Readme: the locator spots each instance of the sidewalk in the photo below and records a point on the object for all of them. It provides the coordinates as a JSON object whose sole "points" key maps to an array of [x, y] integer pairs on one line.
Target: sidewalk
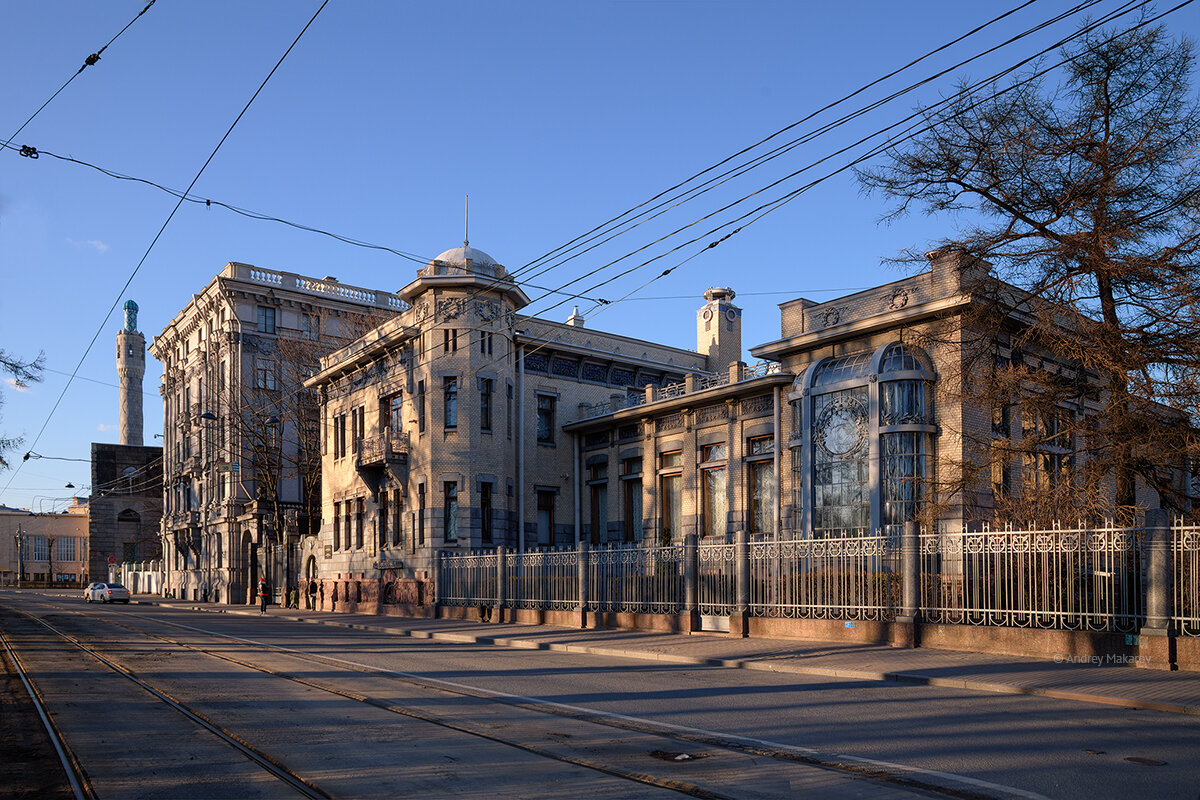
{"points": [[1109, 684]]}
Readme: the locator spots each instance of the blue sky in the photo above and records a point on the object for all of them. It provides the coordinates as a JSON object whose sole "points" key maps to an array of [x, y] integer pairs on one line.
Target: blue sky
{"points": [[553, 116]]}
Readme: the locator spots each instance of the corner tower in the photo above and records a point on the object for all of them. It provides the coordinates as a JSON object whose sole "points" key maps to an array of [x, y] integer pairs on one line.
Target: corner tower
{"points": [[719, 328], [131, 367]]}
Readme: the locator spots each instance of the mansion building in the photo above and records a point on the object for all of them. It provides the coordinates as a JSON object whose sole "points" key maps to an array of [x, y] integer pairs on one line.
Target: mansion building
{"points": [[449, 421]]}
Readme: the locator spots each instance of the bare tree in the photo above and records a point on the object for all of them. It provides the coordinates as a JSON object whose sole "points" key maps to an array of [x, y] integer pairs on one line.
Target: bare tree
{"points": [[1083, 340], [276, 421], [22, 374]]}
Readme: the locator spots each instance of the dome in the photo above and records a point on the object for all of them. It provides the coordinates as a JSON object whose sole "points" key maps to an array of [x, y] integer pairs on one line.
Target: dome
{"points": [[130, 306], [460, 255]]}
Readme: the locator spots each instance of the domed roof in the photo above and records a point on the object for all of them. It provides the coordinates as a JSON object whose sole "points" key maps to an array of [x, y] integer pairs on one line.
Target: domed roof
{"points": [[460, 255], [130, 306]]}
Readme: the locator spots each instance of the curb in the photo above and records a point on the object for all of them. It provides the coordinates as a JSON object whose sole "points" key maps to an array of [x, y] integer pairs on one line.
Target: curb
{"points": [[913, 678]]}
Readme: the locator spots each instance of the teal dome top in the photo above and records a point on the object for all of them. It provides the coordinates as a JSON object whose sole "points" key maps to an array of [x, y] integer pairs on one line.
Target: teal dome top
{"points": [[131, 310]]}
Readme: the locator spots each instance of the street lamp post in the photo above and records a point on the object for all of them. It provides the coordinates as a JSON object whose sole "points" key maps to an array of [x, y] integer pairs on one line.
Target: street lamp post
{"points": [[20, 537]]}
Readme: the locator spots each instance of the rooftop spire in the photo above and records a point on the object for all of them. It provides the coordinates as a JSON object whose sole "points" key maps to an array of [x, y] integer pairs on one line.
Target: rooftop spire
{"points": [[466, 218]]}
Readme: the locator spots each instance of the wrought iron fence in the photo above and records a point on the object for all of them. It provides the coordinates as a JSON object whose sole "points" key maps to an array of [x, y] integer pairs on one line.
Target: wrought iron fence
{"points": [[716, 579], [1092, 579], [850, 578], [545, 579], [1185, 594], [467, 579], [1062, 578], [634, 578]]}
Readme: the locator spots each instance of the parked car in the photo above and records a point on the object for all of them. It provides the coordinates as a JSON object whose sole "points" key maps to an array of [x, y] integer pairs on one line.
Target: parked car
{"points": [[106, 593]]}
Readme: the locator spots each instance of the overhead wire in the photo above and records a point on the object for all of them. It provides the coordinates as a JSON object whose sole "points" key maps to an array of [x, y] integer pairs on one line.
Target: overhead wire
{"points": [[163, 228], [909, 133], [774, 204], [91, 60], [756, 162]]}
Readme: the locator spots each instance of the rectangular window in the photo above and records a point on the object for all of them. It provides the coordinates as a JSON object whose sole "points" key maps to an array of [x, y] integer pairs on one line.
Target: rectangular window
{"points": [[450, 402], [397, 510], [545, 518], [358, 418], [485, 404], [266, 319], [545, 418], [672, 508], [40, 549], [450, 512], [671, 460], [381, 522], [714, 452], [450, 340], [761, 491], [358, 523], [421, 514], [394, 406], [337, 526], [339, 436], [310, 327], [485, 513], [264, 374], [761, 446], [631, 502], [715, 501], [421, 406], [66, 548], [598, 489], [485, 342], [508, 415]]}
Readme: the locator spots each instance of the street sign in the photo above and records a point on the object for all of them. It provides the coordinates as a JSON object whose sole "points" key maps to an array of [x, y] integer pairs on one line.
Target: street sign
{"points": [[112, 559], [229, 466]]}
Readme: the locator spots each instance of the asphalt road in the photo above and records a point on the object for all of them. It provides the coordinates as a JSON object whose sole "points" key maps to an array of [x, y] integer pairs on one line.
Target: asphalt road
{"points": [[515, 715]]}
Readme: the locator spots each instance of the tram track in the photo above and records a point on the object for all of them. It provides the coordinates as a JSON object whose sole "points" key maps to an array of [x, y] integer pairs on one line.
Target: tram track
{"points": [[683, 739], [77, 775]]}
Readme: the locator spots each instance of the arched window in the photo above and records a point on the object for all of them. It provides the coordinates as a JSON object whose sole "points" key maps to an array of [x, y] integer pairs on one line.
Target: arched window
{"points": [[866, 419]]}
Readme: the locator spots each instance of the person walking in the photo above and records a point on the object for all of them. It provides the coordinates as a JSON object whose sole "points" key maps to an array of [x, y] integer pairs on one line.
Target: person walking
{"points": [[262, 596], [312, 594]]}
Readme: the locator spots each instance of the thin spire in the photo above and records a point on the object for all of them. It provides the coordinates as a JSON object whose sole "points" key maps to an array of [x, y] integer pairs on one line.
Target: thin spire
{"points": [[466, 219]]}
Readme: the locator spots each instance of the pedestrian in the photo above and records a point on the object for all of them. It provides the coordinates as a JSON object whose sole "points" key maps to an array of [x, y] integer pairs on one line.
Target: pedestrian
{"points": [[312, 594], [293, 598], [262, 596]]}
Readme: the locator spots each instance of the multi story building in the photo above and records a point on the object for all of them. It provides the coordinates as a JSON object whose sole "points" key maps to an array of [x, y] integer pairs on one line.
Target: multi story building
{"points": [[241, 469], [446, 427], [463, 424]]}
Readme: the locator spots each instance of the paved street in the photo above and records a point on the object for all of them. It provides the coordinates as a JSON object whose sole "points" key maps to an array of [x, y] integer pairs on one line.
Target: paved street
{"points": [[768, 730]]}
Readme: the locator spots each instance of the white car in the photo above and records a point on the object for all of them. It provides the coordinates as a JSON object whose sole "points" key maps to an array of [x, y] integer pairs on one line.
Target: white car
{"points": [[106, 593]]}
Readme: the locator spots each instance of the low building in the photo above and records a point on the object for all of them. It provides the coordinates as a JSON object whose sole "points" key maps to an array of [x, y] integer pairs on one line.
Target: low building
{"points": [[45, 549]]}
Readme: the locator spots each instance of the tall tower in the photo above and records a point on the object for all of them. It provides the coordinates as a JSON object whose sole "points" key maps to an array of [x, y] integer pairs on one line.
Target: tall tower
{"points": [[719, 328], [131, 366]]}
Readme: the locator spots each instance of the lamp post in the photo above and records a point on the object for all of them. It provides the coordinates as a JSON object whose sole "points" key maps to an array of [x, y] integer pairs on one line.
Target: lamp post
{"points": [[20, 538]]}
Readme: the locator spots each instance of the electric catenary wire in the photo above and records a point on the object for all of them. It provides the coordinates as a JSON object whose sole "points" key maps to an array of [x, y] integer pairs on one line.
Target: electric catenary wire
{"points": [[163, 228], [87, 62]]}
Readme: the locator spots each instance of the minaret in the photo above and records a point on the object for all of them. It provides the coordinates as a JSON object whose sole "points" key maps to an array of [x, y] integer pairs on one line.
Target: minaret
{"points": [[131, 366], [719, 328]]}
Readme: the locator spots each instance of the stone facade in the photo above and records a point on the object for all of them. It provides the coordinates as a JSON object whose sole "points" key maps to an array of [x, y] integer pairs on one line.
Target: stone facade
{"points": [[446, 428], [238, 491], [124, 509]]}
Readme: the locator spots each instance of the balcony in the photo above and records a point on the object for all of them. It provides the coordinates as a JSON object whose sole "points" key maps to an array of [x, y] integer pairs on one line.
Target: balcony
{"points": [[382, 449]]}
